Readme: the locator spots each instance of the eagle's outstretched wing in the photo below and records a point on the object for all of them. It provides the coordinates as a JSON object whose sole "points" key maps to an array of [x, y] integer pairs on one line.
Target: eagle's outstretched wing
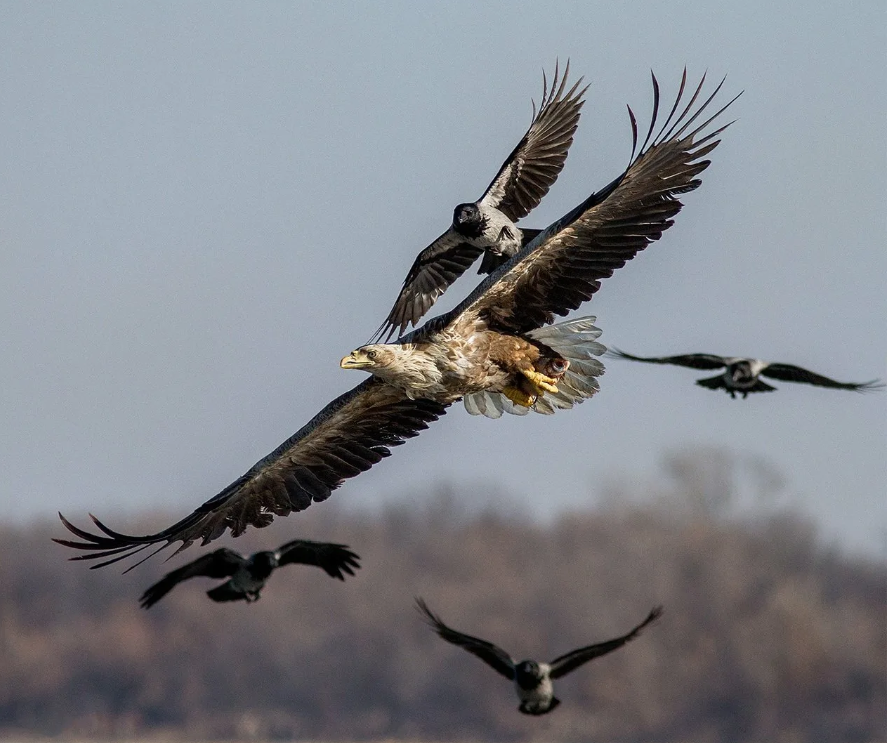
{"points": [[563, 266], [522, 181], [222, 563], [693, 360], [570, 661], [534, 165], [791, 373], [335, 559], [491, 654], [346, 438]]}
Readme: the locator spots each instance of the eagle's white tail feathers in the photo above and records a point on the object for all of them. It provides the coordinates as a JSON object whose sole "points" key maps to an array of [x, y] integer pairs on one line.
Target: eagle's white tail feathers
{"points": [[576, 341]]}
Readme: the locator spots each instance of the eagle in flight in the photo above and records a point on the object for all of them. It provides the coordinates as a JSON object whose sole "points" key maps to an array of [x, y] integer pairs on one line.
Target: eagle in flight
{"points": [[497, 349]]}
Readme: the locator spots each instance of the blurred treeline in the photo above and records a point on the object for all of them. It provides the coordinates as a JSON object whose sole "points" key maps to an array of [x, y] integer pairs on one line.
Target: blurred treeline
{"points": [[768, 635]]}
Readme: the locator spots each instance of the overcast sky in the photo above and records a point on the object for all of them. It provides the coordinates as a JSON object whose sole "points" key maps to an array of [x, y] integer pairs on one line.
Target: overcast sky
{"points": [[206, 205]]}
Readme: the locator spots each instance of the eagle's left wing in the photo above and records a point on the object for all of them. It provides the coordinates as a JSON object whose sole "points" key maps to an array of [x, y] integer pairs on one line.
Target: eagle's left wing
{"points": [[563, 267], [346, 438]]}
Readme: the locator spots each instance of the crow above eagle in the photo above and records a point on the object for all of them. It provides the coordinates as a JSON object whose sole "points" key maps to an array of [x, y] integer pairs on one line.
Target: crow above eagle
{"points": [[497, 349], [486, 226]]}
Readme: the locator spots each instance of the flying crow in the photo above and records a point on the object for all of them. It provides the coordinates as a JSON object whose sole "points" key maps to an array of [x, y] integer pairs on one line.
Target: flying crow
{"points": [[247, 575], [532, 680], [743, 375], [486, 226]]}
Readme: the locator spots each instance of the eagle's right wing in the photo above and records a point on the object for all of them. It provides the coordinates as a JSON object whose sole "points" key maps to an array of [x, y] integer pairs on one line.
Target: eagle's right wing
{"points": [[346, 438]]}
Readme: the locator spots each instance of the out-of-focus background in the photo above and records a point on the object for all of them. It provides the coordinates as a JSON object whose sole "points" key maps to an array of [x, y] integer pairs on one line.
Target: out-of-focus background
{"points": [[206, 205]]}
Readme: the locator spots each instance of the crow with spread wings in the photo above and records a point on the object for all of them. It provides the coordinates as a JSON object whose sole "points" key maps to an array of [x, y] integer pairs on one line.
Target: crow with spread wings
{"points": [[247, 575], [532, 679], [487, 226], [497, 349], [742, 375]]}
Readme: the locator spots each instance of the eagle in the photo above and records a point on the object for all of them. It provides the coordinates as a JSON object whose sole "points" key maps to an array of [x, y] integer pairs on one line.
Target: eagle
{"points": [[532, 679], [742, 375], [247, 575], [497, 349], [487, 226]]}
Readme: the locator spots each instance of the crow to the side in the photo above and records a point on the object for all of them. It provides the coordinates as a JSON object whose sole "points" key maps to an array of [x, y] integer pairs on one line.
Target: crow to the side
{"points": [[247, 575]]}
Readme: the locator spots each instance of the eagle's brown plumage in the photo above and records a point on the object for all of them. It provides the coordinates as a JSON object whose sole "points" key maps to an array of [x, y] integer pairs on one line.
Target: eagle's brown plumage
{"points": [[495, 341]]}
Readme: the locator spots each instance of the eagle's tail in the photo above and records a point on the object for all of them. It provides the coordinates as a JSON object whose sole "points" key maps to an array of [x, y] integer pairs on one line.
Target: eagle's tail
{"points": [[576, 341]]}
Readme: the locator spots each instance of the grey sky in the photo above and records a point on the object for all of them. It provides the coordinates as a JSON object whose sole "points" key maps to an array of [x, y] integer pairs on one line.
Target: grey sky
{"points": [[198, 201]]}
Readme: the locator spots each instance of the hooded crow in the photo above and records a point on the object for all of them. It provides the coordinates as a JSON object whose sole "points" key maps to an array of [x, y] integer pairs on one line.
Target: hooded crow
{"points": [[532, 680], [248, 574], [497, 350], [486, 226], [742, 374]]}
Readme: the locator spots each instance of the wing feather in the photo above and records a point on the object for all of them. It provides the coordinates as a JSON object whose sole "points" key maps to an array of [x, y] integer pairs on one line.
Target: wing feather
{"points": [[335, 559], [491, 654], [791, 373], [692, 360], [222, 563], [347, 437], [434, 269], [570, 661], [534, 165]]}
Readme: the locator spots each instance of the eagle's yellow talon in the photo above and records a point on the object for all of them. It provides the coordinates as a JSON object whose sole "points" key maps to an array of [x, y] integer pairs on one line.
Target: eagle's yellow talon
{"points": [[518, 397], [540, 381]]}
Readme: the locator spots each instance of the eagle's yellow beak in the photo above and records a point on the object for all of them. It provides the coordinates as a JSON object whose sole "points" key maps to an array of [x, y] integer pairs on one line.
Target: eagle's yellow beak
{"points": [[356, 360]]}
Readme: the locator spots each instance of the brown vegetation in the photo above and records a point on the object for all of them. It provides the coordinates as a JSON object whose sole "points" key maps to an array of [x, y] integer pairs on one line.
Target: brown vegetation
{"points": [[767, 635]]}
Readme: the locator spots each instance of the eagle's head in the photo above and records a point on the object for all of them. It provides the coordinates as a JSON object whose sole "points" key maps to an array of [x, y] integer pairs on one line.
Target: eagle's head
{"points": [[373, 358], [399, 364]]}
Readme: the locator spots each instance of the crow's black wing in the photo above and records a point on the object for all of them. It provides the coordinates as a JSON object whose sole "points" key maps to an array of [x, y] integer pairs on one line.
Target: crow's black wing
{"points": [[335, 559], [491, 654], [434, 269], [693, 360], [222, 563], [566, 663], [791, 373], [534, 165]]}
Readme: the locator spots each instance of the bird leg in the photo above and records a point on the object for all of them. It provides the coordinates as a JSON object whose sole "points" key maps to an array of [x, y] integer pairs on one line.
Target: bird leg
{"points": [[539, 381], [518, 396]]}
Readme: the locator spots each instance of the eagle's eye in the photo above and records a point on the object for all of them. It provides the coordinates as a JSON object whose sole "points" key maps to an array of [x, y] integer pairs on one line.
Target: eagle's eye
{"points": [[371, 355]]}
